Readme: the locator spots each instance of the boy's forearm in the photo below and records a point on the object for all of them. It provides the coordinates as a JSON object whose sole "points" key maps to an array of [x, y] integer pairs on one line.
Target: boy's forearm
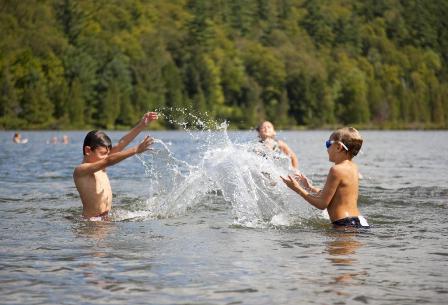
{"points": [[125, 140], [117, 157], [112, 159], [294, 161], [313, 200], [301, 191]]}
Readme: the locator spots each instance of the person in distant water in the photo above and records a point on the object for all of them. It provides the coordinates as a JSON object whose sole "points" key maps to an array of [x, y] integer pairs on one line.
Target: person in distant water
{"points": [[18, 139], [340, 193], [90, 176], [65, 139], [266, 133], [54, 140]]}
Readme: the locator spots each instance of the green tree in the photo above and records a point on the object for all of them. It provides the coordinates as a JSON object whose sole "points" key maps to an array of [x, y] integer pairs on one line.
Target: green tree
{"points": [[76, 104], [37, 108], [254, 110], [9, 103]]}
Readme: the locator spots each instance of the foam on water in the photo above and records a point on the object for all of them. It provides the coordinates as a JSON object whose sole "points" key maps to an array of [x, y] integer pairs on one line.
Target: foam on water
{"points": [[245, 175]]}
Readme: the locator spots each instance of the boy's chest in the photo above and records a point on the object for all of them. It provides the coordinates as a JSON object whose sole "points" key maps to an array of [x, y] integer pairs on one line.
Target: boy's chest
{"points": [[102, 181]]}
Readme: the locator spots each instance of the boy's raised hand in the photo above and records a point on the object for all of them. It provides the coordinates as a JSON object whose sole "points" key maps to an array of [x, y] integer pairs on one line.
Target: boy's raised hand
{"points": [[148, 117], [144, 145]]}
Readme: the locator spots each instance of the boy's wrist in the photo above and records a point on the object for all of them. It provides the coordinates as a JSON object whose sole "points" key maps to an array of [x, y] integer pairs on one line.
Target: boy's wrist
{"points": [[141, 125], [302, 192]]}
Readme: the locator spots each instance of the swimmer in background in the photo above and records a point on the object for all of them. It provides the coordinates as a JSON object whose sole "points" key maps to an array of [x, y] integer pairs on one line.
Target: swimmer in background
{"points": [[340, 193], [17, 139], [267, 134], [65, 139], [90, 176]]}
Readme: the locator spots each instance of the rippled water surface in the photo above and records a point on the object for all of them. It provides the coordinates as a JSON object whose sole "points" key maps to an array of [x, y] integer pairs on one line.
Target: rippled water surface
{"points": [[203, 219]]}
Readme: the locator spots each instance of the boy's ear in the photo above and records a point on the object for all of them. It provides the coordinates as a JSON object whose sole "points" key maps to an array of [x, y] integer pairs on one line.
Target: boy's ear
{"points": [[87, 150]]}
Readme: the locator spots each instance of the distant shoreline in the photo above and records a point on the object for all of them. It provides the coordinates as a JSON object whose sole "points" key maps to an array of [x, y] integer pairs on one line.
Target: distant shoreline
{"points": [[412, 127]]}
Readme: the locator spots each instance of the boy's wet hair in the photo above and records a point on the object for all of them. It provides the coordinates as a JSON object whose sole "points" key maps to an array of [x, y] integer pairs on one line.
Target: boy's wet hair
{"points": [[350, 137], [95, 139]]}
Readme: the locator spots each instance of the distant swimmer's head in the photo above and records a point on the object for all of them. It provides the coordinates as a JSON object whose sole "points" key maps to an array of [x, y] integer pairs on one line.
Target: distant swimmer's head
{"points": [[350, 138], [266, 130], [16, 138], [97, 145]]}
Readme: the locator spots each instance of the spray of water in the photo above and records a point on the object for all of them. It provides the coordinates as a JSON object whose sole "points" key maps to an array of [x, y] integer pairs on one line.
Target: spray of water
{"points": [[243, 175]]}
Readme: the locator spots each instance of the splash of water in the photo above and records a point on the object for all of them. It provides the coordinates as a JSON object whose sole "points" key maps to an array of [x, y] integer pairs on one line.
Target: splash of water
{"points": [[244, 175]]}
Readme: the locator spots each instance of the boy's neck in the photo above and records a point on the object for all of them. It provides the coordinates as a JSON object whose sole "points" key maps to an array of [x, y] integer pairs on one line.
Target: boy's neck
{"points": [[342, 158], [268, 139], [85, 159]]}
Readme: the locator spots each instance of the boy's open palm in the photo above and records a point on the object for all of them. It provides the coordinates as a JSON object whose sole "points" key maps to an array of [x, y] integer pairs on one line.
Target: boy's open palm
{"points": [[290, 182], [144, 145], [303, 180]]}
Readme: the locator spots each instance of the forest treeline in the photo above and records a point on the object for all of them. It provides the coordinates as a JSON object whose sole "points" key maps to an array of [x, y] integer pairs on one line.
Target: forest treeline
{"points": [[77, 64]]}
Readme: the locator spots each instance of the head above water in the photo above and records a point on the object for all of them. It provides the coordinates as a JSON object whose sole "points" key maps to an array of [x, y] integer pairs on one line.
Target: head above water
{"points": [[95, 139], [266, 130], [350, 137]]}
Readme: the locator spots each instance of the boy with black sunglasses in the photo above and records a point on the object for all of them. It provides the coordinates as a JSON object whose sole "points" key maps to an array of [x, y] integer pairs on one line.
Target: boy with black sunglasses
{"points": [[340, 193]]}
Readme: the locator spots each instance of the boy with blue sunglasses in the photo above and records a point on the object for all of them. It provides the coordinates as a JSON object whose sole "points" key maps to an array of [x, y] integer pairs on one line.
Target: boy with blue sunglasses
{"points": [[340, 193]]}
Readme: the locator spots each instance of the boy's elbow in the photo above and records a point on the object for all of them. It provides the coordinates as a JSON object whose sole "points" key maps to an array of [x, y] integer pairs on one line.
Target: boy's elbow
{"points": [[322, 205], [317, 203]]}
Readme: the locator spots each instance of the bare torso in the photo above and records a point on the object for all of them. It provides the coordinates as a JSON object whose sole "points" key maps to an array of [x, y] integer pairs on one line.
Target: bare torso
{"points": [[95, 192], [345, 200]]}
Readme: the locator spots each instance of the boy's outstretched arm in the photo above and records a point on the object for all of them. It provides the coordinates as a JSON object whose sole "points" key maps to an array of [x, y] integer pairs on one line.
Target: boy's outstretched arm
{"points": [[323, 198], [289, 152], [111, 159], [144, 122]]}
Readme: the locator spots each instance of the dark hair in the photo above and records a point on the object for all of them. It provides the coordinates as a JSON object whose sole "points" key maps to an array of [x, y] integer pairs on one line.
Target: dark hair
{"points": [[95, 139], [350, 137]]}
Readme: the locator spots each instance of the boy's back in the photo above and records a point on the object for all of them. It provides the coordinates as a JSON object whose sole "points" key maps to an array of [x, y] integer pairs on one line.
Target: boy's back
{"points": [[344, 201]]}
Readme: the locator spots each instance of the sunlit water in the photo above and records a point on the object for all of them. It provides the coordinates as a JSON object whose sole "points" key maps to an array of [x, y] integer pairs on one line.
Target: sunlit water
{"points": [[203, 218]]}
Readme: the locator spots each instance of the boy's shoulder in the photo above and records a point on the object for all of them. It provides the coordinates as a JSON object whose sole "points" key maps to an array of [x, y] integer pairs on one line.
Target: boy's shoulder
{"points": [[282, 144], [343, 166], [78, 170], [81, 169]]}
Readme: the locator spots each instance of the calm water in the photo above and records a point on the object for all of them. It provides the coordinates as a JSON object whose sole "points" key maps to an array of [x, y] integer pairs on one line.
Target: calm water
{"points": [[203, 220]]}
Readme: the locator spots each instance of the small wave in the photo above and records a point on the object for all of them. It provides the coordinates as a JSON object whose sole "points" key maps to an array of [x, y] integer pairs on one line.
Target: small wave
{"points": [[244, 177], [422, 195]]}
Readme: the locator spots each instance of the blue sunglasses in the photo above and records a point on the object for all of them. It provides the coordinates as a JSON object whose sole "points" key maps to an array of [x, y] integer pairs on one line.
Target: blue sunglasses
{"points": [[328, 143]]}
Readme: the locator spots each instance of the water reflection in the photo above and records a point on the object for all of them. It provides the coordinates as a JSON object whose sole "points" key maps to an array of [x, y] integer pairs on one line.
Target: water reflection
{"points": [[96, 230], [342, 249], [97, 259]]}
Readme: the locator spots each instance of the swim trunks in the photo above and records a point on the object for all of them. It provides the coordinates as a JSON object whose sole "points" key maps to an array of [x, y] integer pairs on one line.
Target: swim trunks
{"points": [[354, 221]]}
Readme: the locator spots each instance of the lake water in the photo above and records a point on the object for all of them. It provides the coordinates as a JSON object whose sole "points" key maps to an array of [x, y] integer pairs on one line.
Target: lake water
{"points": [[202, 219]]}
